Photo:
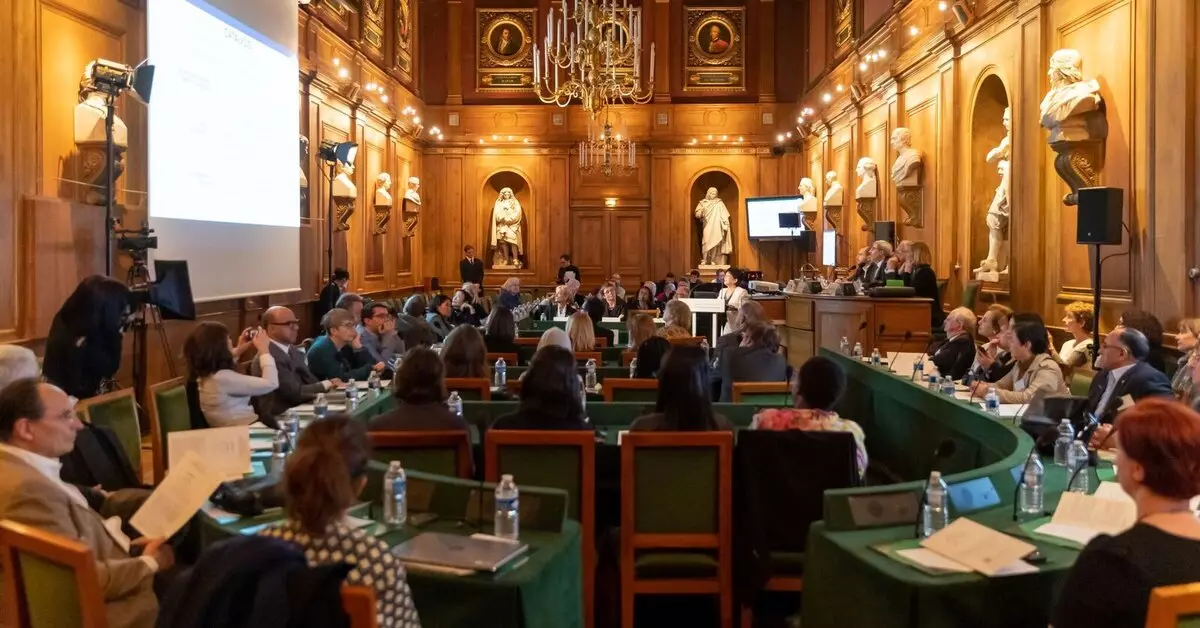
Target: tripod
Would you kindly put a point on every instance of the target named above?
(138, 280)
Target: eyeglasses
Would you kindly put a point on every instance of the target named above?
(347, 325)
(292, 323)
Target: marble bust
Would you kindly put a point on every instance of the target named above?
(344, 195)
(383, 203)
(92, 143)
(1073, 112)
(412, 194)
(808, 204)
(412, 203)
(868, 172)
(833, 190)
(906, 171)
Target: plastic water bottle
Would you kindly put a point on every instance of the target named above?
(395, 495)
(320, 406)
(291, 426)
(500, 373)
(351, 391)
(633, 368)
(279, 452)
(858, 351)
(1032, 488)
(937, 513)
(454, 404)
(991, 402)
(919, 371)
(1077, 463)
(508, 517)
(844, 346)
(589, 382)
(373, 384)
(876, 359)
(934, 382)
(947, 386)
(583, 400)
(1062, 446)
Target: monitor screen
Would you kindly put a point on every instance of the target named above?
(774, 217)
(829, 248)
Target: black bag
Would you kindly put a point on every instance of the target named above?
(248, 497)
(98, 459)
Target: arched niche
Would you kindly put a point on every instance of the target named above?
(523, 192)
(727, 191)
(987, 133)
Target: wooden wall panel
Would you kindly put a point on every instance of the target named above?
(819, 38)
(921, 118)
(629, 245)
(589, 244)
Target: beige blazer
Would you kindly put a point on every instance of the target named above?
(1043, 374)
(28, 497)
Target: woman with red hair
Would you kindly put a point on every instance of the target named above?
(1158, 465)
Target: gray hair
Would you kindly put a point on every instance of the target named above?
(16, 362)
(347, 298)
(1136, 342)
(415, 306)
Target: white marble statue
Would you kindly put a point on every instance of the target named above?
(344, 195)
(716, 241)
(808, 203)
(412, 206)
(92, 144)
(1004, 150)
(506, 235)
(869, 173)
(906, 170)
(303, 160)
(412, 194)
(383, 190)
(833, 190)
(996, 262)
(1073, 112)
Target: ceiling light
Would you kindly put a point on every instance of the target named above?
(384, 98)
(839, 88)
(942, 5)
(724, 138)
(710, 138)
(739, 139)
(526, 140)
(789, 135)
(441, 137)
(337, 61)
(862, 66)
(912, 30)
(495, 137)
(481, 140)
(881, 54)
(416, 119)
(779, 138)
(343, 73)
(435, 131)
(827, 97)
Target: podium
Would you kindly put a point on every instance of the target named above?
(712, 307)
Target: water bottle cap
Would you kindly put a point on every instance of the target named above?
(935, 476)
(506, 477)
(394, 465)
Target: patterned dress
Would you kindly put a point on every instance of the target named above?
(780, 419)
(375, 567)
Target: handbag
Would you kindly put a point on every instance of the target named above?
(248, 497)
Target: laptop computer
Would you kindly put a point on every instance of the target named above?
(459, 552)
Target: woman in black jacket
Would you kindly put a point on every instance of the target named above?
(500, 331)
(914, 259)
(84, 345)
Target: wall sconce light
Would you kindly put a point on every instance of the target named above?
(610, 202)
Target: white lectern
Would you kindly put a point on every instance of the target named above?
(713, 307)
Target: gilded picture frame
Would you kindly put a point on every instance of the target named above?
(715, 59)
(504, 45)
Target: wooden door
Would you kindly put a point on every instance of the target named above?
(604, 242)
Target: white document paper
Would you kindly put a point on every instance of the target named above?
(560, 319)
(225, 450)
(187, 487)
(966, 395)
(1112, 490)
(978, 547)
(902, 363)
(1110, 516)
(1013, 409)
(1079, 535)
(933, 560)
(610, 319)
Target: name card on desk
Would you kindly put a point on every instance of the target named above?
(981, 548)
(974, 495)
(883, 509)
(225, 450)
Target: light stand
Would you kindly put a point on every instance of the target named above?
(1097, 263)
(110, 184)
(334, 153)
(329, 217)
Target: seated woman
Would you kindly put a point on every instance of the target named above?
(419, 388)
(649, 357)
(756, 359)
(1187, 340)
(510, 293)
(500, 333)
(994, 360)
(677, 317)
(1158, 465)
(915, 270)
(438, 317)
(462, 311)
(816, 388)
(579, 331)
(1079, 321)
(551, 395)
(224, 393)
(325, 476)
(1034, 369)
(751, 313)
(411, 324)
(644, 299)
(465, 354)
(683, 396)
(639, 327)
(595, 311)
(327, 358)
(613, 308)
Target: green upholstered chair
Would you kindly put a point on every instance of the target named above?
(557, 459)
(631, 390)
(471, 388)
(117, 411)
(52, 580)
(440, 452)
(168, 413)
(1081, 382)
(1175, 606)
(762, 393)
(970, 294)
(676, 537)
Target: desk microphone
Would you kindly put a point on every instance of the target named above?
(945, 449)
(904, 341)
(921, 359)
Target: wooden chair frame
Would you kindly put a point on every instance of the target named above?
(651, 313)
(586, 442)
(722, 540)
(481, 384)
(611, 386)
(510, 359)
(686, 341)
(157, 453)
(527, 341)
(601, 343)
(16, 538)
(85, 407)
(459, 440)
(1168, 604)
(759, 388)
(584, 356)
(359, 604)
(627, 358)
(514, 386)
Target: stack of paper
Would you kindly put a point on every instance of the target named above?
(1080, 518)
(965, 546)
(184, 491)
(225, 450)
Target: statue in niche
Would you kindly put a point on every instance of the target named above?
(867, 192)
(833, 201)
(1074, 113)
(412, 206)
(808, 204)
(303, 177)
(996, 262)
(906, 176)
(716, 240)
(506, 238)
(90, 141)
(1004, 150)
(345, 193)
(383, 203)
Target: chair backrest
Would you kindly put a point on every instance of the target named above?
(584, 356)
(1175, 606)
(630, 389)
(686, 341)
(650, 313)
(473, 388)
(528, 341)
(941, 290)
(510, 359)
(117, 411)
(556, 459)
(441, 452)
(1081, 381)
(775, 393)
(970, 294)
(359, 604)
(51, 580)
(601, 343)
(627, 358)
(168, 413)
(656, 512)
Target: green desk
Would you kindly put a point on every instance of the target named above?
(848, 583)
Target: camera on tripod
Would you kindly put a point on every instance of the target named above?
(136, 242)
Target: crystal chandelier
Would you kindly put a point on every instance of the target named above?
(608, 154)
(597, 49)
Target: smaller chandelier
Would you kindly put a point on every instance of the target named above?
(608, 154)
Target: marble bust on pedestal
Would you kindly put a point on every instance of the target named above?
(833, 200)
(906, 176)
(867, 192)
(1073, 112)
(412, 206)
(383, 203)
(808, 203)
(345, 193)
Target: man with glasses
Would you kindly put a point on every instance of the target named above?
(378, 333)
(297, 384)
(1123, 373)
(326, 358)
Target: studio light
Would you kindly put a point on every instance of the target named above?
(112, 78)
(338, 152)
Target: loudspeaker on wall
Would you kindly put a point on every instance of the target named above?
(1099, 216)
(886, 230)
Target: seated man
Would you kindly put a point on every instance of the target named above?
(326, 358)
(378, 333)
(1123, 372)
(954, 357)
(37, 425)
(563, 305)
(17, 362)
(297, 384)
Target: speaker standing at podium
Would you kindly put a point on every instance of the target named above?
(733, 294)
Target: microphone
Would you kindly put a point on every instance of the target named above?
(1021, 482)
(921, 358)
(904, 341)
(945, 449)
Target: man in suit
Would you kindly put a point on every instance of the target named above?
(1123, 372)
(562, 306)
(297, 384)
(565, 265)
(470, 268)
(875, 272)
(330, 295)
(955, 356)
(378, 333)
(38, 425)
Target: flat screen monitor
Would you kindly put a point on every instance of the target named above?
(766, 217)
(829, 248)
